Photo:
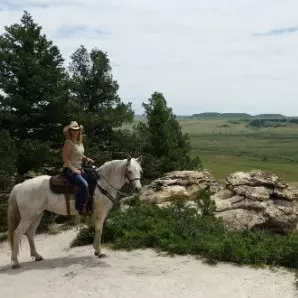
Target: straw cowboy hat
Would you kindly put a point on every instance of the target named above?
(72, 125)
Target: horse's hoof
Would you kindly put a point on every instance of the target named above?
(99, 255)
(16, 266)
(38, 258)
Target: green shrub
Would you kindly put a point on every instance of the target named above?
(3, 213)
(48, 218)
(178, 229)
(205, 203)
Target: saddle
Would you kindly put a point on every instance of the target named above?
(60, 184)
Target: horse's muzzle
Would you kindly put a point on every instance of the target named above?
(136, 184)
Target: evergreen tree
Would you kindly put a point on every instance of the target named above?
(94, 91)
(33, 81)
(8, 154)
(164, 145)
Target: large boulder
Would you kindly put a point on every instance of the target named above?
(178, 185)
(257, 200)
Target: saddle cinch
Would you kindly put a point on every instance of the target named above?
(61, 184)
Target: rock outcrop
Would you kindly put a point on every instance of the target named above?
(257, 200)
(178, 185)
(249, 200)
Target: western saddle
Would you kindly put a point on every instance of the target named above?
(61, 184)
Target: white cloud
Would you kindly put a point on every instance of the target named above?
(216, 55)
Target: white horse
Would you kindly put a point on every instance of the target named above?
(29, 199)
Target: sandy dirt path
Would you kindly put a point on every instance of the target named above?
(77, 272)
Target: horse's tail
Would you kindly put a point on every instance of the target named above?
(13, 215)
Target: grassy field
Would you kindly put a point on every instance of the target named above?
(226, 146)
(230, 145)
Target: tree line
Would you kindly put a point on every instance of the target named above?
(39, 95)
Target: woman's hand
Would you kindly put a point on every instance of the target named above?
(90, 160)
(77, 171)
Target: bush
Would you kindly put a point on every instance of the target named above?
(3, 213)
(47, 220)
(204, 202)
(8, 155)
(178, 229)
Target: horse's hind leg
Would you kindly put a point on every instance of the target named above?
(20, 230)
(30, 233)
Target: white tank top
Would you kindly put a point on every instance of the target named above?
(77, 154)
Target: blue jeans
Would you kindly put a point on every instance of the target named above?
(83, 190)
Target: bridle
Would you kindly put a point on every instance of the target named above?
(107, 194)
(126, 175)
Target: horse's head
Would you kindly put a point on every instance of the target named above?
(133, 172)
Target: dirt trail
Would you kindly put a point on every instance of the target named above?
(77, 272)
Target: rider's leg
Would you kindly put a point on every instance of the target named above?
(82, 193)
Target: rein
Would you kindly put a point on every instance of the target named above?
(107, 194)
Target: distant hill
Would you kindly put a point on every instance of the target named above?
(269, 116)
(215, 115)
(207, 115)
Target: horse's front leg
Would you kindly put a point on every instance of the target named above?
(102, 208)
(98, 225)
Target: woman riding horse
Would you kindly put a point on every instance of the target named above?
(73, 156)
(30, 198)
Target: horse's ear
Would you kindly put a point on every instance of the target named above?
(139, 159)
(128, 160)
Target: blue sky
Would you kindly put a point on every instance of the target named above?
(204, 56)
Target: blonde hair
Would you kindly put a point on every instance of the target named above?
(79, 140)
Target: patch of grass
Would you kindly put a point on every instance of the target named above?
(3, 236)
(237, 147)
(54, 229)
(179, 229)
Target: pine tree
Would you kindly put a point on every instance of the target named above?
(163, 142)
(95, 91)
(33, 81)
(7, 161)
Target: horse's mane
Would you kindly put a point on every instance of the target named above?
(109, 166)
